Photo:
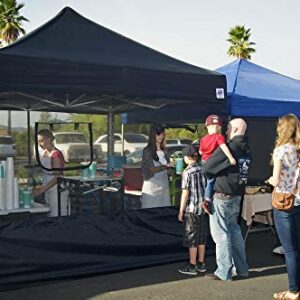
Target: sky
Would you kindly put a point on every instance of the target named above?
(194, 31)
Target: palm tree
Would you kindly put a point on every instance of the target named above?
(10, 29)
(240, 46)
(11, 20)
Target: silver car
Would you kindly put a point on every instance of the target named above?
(75, 147)
(132, 142)
(7, 146)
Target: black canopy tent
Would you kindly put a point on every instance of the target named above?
(71, 64)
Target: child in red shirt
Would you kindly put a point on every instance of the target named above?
(209, 143)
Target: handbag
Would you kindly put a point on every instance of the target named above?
(285, 201)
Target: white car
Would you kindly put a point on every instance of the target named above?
(132, 142)
(75, 147)
(7, 146)
(178, 142)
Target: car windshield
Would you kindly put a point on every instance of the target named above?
(135, 138)
(169, 142)
(135, 157)
(186, 141)
(137, 153)
(179, 141)
(70, 138)
(6, 140)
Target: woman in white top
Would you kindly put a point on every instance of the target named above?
(155, 191)
(50, 158)
(286, 163)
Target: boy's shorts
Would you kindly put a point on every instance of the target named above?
(195, 230)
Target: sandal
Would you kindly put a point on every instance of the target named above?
(287, 295)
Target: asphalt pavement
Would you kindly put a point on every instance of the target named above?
(162, 282)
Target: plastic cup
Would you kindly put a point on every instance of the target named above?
(2, 173)
(30, 189)
(21, 197)
(179, 165)
(27, 197)
(93, 169)
(85, 173)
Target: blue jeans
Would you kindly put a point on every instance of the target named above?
(226, 233)
(288, 229)
(209, 188)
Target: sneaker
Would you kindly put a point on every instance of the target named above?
(200, 267)
(188, 269)
(278, 250)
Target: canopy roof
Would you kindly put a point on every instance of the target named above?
(252, 91)
(255, 91)
(71, 64)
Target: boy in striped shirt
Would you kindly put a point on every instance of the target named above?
(192, 213)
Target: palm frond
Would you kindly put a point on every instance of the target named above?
(240, 46)
(11, 20)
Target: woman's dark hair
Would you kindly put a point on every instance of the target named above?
(154, 130)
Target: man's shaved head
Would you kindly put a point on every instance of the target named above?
(236, 127)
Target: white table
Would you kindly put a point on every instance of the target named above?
(35, 208)
(255, 206)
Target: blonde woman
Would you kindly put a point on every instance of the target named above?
(50, 158)
(286, 159)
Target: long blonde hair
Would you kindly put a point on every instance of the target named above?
(288, 131)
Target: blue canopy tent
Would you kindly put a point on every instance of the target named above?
(260, 96)
(252, 91)
(255, 91)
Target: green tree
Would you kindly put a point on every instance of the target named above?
(100, 125)
(10, 29)
(21, 141)
(45, 117)
(240, 45)
(11, 20)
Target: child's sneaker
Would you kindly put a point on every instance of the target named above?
(188, 269)
(200, 267)
(278, 250)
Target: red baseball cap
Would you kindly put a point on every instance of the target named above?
(213, 120)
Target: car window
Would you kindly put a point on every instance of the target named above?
(135, 157)
(103, 139)
(137, 153)
(70, 138)
(117, 138)
(6, 140)
(135, 138)
(169, 142)
(186, 141)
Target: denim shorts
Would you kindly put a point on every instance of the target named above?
(195, 231)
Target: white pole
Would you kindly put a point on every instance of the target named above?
(122, 136)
